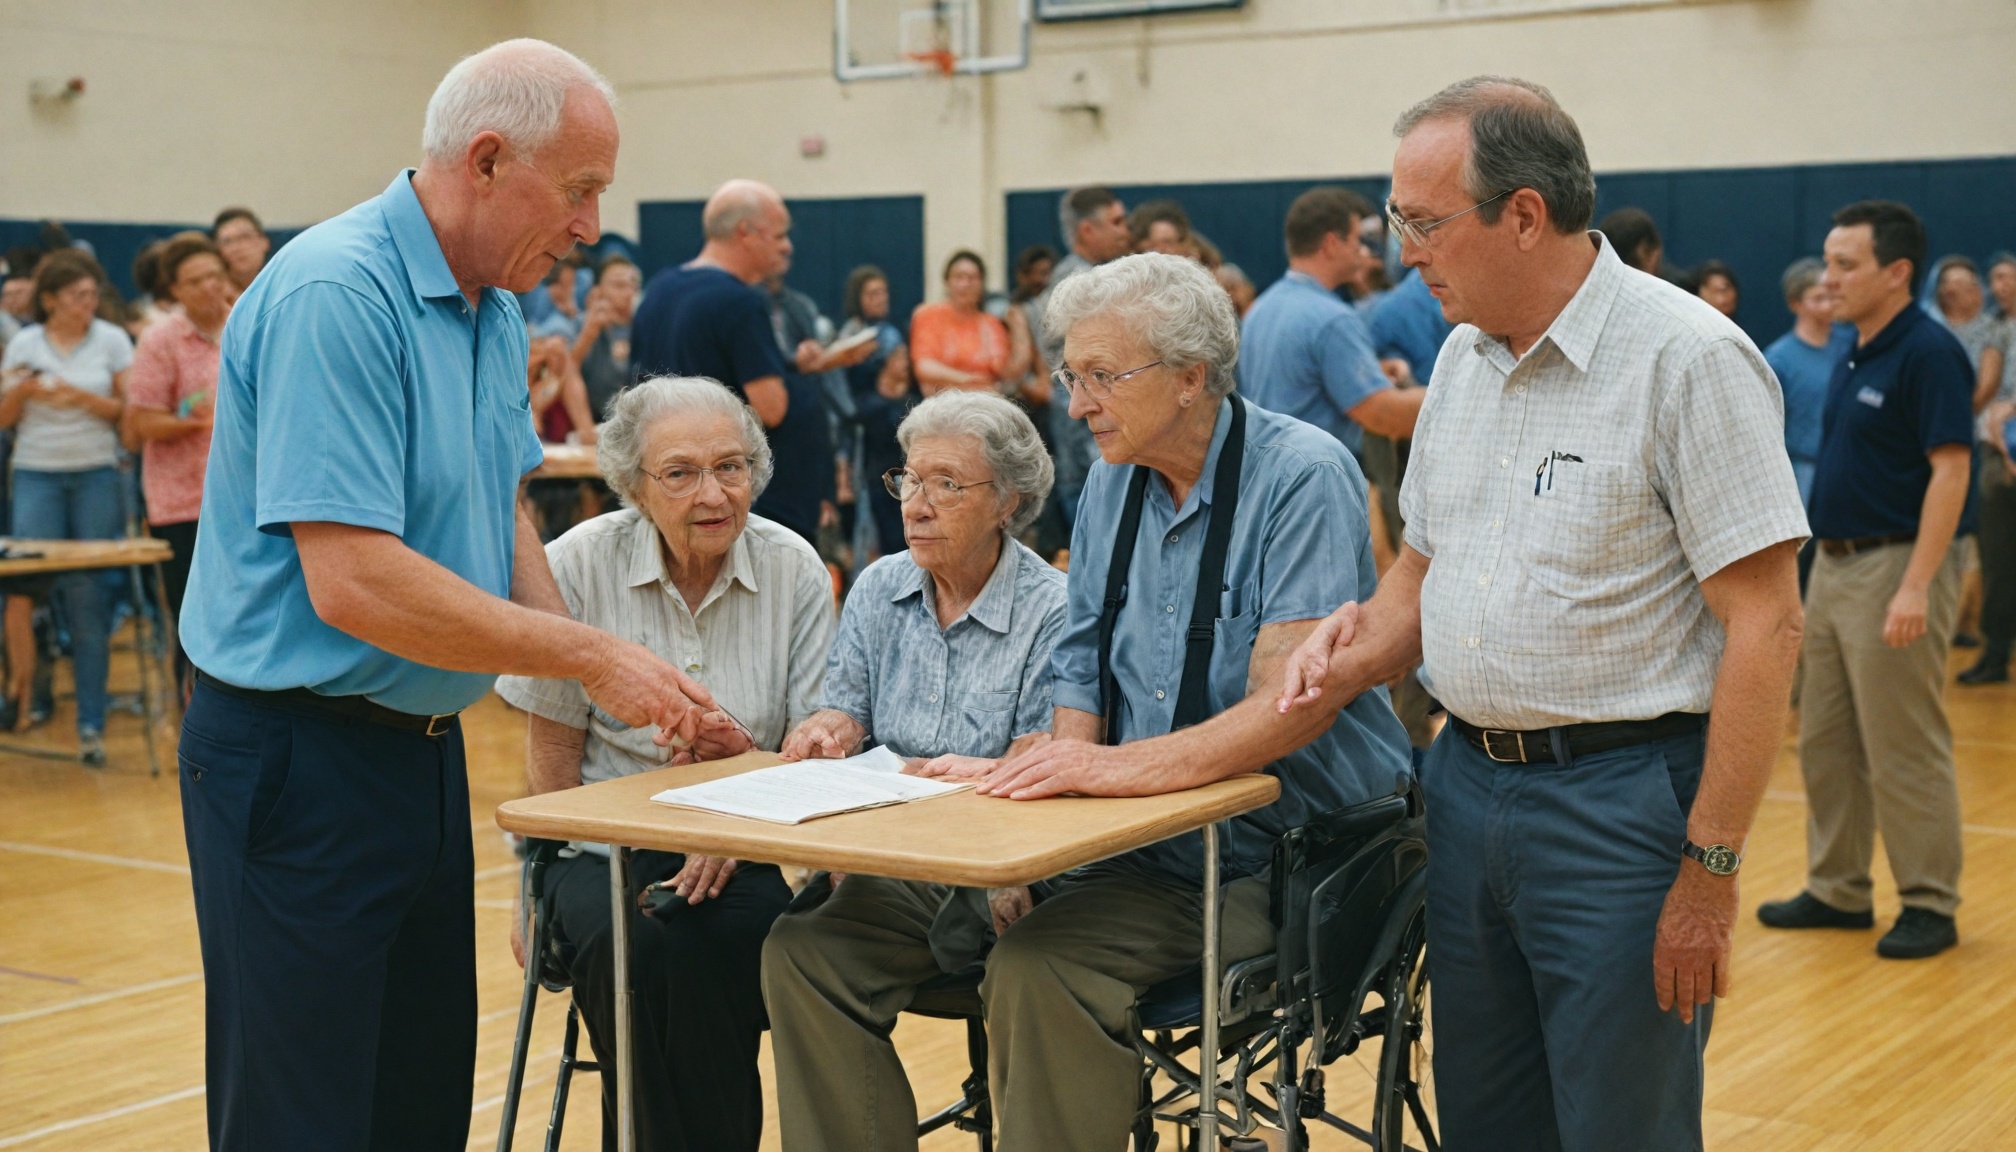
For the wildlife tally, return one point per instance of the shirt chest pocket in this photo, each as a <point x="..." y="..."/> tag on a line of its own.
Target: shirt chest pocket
<point x="1585" y="531"/>
<point x="981" y="722"/>
<point x="1232" y="638"/>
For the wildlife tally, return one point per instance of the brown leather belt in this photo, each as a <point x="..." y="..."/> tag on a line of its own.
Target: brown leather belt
<point x="1537" y="745"/>
<point x="338" y="707"/>
<point x="1864" y="544"/>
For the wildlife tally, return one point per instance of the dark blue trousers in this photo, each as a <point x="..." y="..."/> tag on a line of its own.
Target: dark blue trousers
<point x="334" y="887"/>
<point x="1545" y="884"/>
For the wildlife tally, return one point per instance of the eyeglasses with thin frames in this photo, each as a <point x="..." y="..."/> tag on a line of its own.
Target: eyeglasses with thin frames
<point x="1099" y="384"/>
<point x="682" y="480"/>
<point x="939" y="491"/>
<point x="1417" y="230"/>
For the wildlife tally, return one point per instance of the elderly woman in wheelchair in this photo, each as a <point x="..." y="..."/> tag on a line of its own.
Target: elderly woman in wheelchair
<point x="1157" y="688"/>
<point x="944" y="652"/>
<point x="746" y="606"/>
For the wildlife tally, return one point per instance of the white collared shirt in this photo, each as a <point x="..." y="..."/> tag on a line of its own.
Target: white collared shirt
<point x="758" y="640"/>
<point x="1572" y="500"/>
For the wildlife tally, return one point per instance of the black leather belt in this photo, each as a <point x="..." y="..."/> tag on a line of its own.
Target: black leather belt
<point x="340" y="707"/>
<point x="1864" y="544"/>
<point x="1537" y="746"/>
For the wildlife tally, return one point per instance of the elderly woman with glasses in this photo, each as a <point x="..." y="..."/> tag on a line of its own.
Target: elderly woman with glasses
<point x="744" y="606"/>
<point x="1220" y="534"/>
<point x="944" y="652"/>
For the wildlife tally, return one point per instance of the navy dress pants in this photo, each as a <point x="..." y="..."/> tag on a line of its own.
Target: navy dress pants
<point x="334" y="886"/>
<point x="1545" y="884"/>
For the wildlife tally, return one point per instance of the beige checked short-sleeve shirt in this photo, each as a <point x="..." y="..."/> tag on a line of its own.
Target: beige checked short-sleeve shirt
<point x="1572" y="500"/>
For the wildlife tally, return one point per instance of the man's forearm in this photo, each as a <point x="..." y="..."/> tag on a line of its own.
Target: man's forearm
<point x="1387" y="642"/>
<point x="532" y="582"/>
<point x="1756" y="599"/>
<point x="1938" y="516"/>
<point x="1071" y="724"/>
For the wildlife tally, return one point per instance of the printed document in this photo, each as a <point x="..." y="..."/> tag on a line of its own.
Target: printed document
<point x="808" y="789"/>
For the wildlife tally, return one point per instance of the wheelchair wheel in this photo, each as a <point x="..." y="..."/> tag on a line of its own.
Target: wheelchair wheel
<point x="1403" y="1116"/>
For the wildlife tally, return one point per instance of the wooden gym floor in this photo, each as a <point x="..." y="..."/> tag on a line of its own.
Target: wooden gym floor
<point x="101" y="1045"/>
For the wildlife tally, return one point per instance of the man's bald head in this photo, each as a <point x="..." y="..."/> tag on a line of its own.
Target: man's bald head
<point x="736" y="203"/>
<point x="1519" y="138"/>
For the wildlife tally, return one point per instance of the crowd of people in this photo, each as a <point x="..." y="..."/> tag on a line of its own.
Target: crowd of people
<point x="1021" y="493"/>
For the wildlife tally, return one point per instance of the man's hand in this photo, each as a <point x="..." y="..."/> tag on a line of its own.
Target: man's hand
<point x="1075" y="766"/>
<point x="824" y="735"/>
<point x="1690" y="953"/>
<point x="635" y="686"/>
<point x="807" y="355"/>
<point x="1306" y="668"/>
<point x="1008" y="905"/>
<point x="702" y="877"/>
<point x="1904" y="621"/>
<point x="953" y="767"/>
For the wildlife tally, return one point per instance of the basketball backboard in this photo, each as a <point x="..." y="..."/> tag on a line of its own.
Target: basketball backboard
<point x="892" y="39"/>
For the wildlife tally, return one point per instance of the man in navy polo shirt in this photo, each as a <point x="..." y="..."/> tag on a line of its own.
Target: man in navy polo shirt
<point x="361" y="577"/>
<point x="1892" y="488"/>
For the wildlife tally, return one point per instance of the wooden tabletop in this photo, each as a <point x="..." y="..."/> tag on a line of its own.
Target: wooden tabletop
<point x="76" y="555"/>
<point x="961" y="838"/>
<point x="568" y="461"/>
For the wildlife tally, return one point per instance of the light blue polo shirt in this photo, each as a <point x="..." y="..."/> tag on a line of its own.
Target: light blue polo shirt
<point x="1305" y="353"/>
<point x="1300" y="546"/>
<point x="357" y="386"/>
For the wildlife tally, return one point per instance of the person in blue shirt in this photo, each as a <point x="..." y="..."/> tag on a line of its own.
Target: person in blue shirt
<point x="1150" y="342"/>
<point x="1892" y="490"/>
<point x="362" y="576"/>
<point x="1804" y="360"/>
<point x="1408" y="325"/>
<point x="1307" y="354"/>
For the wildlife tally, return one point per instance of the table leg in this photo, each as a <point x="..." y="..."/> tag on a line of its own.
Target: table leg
<point x="619" y="939"/>
<point x="1207" y="1048"/>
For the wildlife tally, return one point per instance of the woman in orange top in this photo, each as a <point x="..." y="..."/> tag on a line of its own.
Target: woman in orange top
<point x="954" y="344"/>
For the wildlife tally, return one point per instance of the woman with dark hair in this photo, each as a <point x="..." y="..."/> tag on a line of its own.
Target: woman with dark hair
<point x="1715" y="282"/>
<point x="1033" y="266"/>
<point x="1634" y="237"/>
<point x="883" y="395"/>
<point x="955" y="344"/>
<point x="65" y="385"/>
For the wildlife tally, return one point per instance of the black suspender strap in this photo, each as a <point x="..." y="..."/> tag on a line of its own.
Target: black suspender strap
<point x="1191" y="700"/>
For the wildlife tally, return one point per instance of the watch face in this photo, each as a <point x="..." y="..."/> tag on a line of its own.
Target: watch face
<point x="1719" y="859"/>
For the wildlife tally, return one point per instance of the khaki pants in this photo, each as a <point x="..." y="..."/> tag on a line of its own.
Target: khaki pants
<point x="1059" y="994"/>
<point x="1873" y="739"/>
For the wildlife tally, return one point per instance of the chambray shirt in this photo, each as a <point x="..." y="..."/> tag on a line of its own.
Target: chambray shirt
<point x="1572" y="500"/>
<point x="1300" y="546"/>
<point x="357" y="386"/>
<point x="970" y="689"/>
<point x="1305" y="353"/>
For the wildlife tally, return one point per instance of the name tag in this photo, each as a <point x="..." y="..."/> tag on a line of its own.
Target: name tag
<point x="1871" y="397"/>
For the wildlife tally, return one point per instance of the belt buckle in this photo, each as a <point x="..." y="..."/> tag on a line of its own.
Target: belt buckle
<point x="438" y="725"/>
<point x="1520" y="737"/>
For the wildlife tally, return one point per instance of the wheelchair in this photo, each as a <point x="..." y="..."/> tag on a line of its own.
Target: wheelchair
<point x="1347" y="895"/>
<point x="545" y="967"/>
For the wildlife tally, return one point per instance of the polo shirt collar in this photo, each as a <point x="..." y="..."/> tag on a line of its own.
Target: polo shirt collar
<point x="413" y="234"/>
<point x="1892" y="333"/>
<point x="1577" y="329"/>
<point x="1306" y="281"/>
<point x="993" y="609"/>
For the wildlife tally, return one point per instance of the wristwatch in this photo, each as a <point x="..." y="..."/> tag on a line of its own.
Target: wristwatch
<point x="1718" y="859"/>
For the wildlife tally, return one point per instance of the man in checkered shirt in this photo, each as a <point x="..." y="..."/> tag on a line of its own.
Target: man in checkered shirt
<point x="1602" y="526"/>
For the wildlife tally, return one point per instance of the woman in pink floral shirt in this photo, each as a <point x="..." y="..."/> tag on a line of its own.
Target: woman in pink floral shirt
<point x="171" y="391"/>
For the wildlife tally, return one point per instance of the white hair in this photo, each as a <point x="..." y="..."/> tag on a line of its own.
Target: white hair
<point x="619" y="444"/>
<point x="1007" y="438"/>
<point x="516" y="89"/>
<point x="1170" y="302"/>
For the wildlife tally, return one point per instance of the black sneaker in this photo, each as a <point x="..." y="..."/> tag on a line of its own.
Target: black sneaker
<point x="1966" y="640"/>
<point x="1809" y="911"/>
<point x="1985" y="671"/>
<point x="1918" y="933"/>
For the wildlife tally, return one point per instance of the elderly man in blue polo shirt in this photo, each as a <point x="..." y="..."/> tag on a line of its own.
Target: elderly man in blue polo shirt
<point x="1892" y="488"/>
<point x="362" y="576"/>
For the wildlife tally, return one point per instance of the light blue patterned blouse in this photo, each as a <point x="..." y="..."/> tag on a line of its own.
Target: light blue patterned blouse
<point x="970" y="689"/>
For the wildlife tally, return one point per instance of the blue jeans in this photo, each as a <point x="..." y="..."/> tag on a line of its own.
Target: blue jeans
<point x="86" y="505"/>
<point x="1545" y="884"/>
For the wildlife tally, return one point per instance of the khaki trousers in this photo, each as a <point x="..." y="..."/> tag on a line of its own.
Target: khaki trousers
<point x="1874" y="743"/>
<point x="1059" y="996"/>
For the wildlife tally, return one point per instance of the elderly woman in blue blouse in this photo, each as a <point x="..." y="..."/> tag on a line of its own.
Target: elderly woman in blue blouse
<point x="943" y="653"/>
<point x="745" y="606"/>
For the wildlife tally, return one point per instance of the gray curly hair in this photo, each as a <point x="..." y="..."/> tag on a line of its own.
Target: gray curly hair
<point x="619" y="448"/>
<point x="1175" y="306"/>
<point x="1015" y="454"/>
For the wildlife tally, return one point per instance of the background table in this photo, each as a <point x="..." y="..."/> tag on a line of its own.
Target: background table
<point x="567" y="462"/>
<point x="57" y="556"/>
<point x="961" y="838"/>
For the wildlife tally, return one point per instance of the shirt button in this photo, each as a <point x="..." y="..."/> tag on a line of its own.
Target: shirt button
<point x="1470" y="643"/>
<point x="1484" y="581"/>
<point x="934" y="697"/>
<point x="1171" y="608"/>
<point x="1173" y="537"/>
<point x="692" y="667"/>
<point x="1158" y="693"/>
<point x="1520" y="390"/>
<point x="1504" y="462"/>
<point x="1496" y="523"/>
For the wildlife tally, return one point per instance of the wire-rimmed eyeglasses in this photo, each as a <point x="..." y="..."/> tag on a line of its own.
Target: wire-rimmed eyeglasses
<point x="1416" y="231"/>
<point x="939" y="491"/>
<point x="1099" y="384"/>
<point x="682" y="480"/>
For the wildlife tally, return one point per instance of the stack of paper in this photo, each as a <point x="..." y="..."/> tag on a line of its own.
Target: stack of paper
<point x="808" y="789"/>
